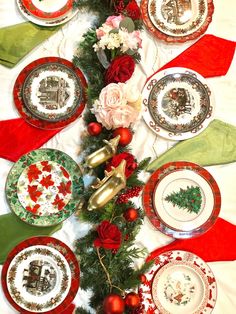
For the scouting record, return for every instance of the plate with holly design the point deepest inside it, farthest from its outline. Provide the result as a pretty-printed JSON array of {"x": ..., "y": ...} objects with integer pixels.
[
  {"x": 44, "y": 187},
  {"x": 40, "y": 275},
  {"x": 179, "y": 282},
  {"x": 182, "y": 199},
  {"x": 178, "y": 103}
]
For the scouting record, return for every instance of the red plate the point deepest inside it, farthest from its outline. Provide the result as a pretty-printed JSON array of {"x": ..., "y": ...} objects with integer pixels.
[
  {"x": 177, "y": 38},
  {"x": 158, "y": 210},
  {"x": 45, "y": 9},
  {"x": 29, "y": 115},
  {"x": 64, "y": 250}
]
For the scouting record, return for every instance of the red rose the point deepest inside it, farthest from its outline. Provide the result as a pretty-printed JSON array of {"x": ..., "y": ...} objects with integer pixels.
[
  {"x": 120, "y": 69},
  {"x": 131, "y": 165},
  {"x": 109, "y": 236},
  {"x": 133, "y": 10}
]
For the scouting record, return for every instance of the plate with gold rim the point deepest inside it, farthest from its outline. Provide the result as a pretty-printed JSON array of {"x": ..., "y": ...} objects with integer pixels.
[
  {"x": 177, "y": 20},
  {"x": 179, "y": 282},
  {"x": 40, "y": 275},
  {"x": 44, "y": 187},
  {"x": 178, "y": 103}
]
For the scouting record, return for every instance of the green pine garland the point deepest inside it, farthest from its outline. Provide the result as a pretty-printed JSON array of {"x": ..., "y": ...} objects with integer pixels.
[{"x": 105, "y": 271}]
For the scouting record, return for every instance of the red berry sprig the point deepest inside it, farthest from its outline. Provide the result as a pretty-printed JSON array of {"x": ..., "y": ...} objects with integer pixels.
[{"x": 129, "y": 193}]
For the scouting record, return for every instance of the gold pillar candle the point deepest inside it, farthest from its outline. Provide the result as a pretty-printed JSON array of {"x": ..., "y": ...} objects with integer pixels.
[
  {"x": 103, "y": 154},
  {"x": 113, "y": 182}
]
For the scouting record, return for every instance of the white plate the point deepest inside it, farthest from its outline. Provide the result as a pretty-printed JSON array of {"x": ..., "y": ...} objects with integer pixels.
[{"x": 178, "y": 103}]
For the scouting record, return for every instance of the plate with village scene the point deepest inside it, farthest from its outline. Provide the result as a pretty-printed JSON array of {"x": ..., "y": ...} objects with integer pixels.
[
  {"x": 179, "y": 282},
  {"x": 40, "y": 275},
  {"x": 177, "y": 20},
  {"x": 44, "y": 187},
  {"x": 182, "y": 199},
  {"x": 178, "y": 104},
  {"x": 49, "y": 93},
  {"x": 47, "y": 12}
]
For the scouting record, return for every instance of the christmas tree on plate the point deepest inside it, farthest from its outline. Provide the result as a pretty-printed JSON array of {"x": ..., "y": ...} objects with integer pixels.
[{"x": 189, "y": 198}]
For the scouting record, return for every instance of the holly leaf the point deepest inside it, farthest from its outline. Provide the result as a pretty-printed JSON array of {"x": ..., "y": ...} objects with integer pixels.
[{"x": 128, "y": 24}]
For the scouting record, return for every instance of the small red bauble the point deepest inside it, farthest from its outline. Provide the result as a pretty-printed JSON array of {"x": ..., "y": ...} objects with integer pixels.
[
  {"x": 132, "y": 300},
  {"x": 143, "y": 278},
  {"x": 94, "y": 128},
  {"x": 113, "y": 304},
  {"x": 131, "y": 214},
  {"x": 125, "y": 136}
]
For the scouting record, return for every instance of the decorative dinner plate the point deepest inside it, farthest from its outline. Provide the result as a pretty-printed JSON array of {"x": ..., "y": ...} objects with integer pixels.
[
  {"x": 182, "y": 199},
  {"x": 178, "y": 283},
  {"x": 44, "y": 187},
  {"x": 178, "y": 104},
  {"x": 47, "y": 9},
  {"x": 49, "y": 93},
  {"x": 40, "y": 275},
  {"x": 47, "y": 12},
  {"x": 177, "y": 20}
]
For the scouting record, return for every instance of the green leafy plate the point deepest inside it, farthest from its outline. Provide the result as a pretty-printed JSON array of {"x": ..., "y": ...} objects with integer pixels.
[{"x": 44, "y": 187}]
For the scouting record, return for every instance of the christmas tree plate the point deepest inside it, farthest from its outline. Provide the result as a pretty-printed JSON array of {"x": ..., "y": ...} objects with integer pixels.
[
  {"x": 47, "y": 13},
  {"x": 182, "y": 199},
  {"x": 49, "y": 93},
  {"x": 40, "y": 275},
  {"x": 178, "y": 104},
  {"x": 44, "y": 187},
  {"x": 177, "y": 20},
  {"x": 47, "y": 9},
  {"x": 179, "y": 282}
]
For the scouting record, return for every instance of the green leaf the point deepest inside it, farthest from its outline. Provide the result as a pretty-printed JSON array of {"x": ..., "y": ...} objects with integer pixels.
[
  {"x": 114, "y": 31},
  {"x": 128, "y": 24}
]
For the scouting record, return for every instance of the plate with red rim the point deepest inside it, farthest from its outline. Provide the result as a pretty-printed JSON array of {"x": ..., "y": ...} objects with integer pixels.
[
  {"x": 52, "y": 14},
  {"x": 40, "y": 275},
  {"x": 48, "y": 9},
  {"x": 182, "y": 199},
  {"x": 49, "y": 93},
  {"x": 179, "y": 282},
  {"x": 178, "y": 20}
]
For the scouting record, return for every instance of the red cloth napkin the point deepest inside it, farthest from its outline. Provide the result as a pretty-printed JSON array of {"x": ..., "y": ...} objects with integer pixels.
[
  {"x": 69, "y": 310},
  {"x": 17, "y": 138},
  {"x": 217, "y": 244},
  {"x": 210, "y": 56}
]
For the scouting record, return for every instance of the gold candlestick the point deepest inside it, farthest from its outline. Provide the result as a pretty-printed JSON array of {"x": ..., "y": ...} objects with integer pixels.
[
  {"x": 113, "y": 182},
  {"x": 103, "y": 154}
]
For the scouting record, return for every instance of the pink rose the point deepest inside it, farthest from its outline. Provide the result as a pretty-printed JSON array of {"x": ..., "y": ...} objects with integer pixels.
[
  {"x": 114, "y": 20},
  {"x": 112, "y": 109}
]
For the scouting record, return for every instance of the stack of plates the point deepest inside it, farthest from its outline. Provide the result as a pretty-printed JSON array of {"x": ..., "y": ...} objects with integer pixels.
[
  {"x": 47, "y": 12},
  {"x": 177, "y": 20},
  {"x": 49, "y": 93},
  {"x": 40, "y": 275}
]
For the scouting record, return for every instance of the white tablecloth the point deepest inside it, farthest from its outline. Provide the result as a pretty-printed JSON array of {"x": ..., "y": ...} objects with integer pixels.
[{"x": 145, "y": 143}]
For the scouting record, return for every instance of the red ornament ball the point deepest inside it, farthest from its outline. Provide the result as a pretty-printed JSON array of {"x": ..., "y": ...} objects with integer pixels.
[
  {"x": 143, "y": 279},
  {"x": 113, "y": 304},
  {"x": 132, "y": 300},
  {"x": 94, "y": 128},
  {"x": 125, "y": 135},
  {"x": 131, "y": 214}
]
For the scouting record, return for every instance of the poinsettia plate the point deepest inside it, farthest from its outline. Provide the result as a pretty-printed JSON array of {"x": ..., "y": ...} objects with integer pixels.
[
  {"x": 178, "y": 104},
  {"x": 44, "y": 187},
  {"x": 40, "y": 275},
  {"x": 179, "y": 282},
  {"x": 49, "y": 93},
  {"x": 182, "y": 199},
  {"x": 177, "y": 20},
  {"x": 47, "y": 12}
]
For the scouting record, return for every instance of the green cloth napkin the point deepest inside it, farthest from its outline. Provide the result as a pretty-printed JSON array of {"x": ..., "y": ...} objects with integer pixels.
[
  {"x": 13, "y": 231},
  {"x": 18, "y": 40},
  {"x": 215, "y": 145}
]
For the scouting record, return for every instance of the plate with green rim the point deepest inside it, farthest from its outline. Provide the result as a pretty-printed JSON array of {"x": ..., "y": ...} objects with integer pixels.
[{"x": 44, "y": 187}]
